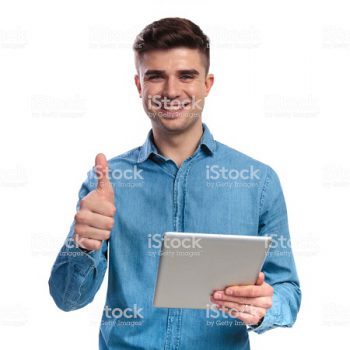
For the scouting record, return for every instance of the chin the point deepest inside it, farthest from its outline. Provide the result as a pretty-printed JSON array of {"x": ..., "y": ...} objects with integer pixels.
[{"x": 180, "y": 123}]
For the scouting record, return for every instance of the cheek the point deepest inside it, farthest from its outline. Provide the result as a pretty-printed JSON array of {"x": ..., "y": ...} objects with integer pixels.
[
  {"x": 150, "y": 98},
  {"x": 198, "y": 101},
  {"x": 198, "y": 93},
  {"x": 151, "y": 90}
]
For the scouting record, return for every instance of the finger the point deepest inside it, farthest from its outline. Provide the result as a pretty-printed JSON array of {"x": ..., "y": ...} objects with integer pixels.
[
  {"x": 248, "y": 319},
  {"x": 87, "y": 243},
  {"x": 86, "y": 231},
  {"x": 260, "y": 279},
  {"x": 98, "y": 205},
  {"x": 239, "y": 308},
  {"x": 250, "y": 291},
  {"x": 264, "y": 302},
  {"x": 89, "y": 218},
  {"x": 104, "y": 186}
]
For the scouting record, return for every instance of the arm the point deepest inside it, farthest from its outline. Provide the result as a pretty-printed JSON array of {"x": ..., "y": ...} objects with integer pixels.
[
  {"x": 80, "y": 266},
  {"x": 279, "y": 268},
  {"x": 77, "y": 275},
  {"x": 273, "y": 301}
]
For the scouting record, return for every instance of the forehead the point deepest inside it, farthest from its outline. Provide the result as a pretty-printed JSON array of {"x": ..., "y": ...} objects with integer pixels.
[{"x": 172, "y": 59}]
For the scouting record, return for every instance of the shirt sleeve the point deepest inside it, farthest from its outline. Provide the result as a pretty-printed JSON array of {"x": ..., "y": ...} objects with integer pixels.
[
  {"x": 279, "y": 267},
  {"x": 77, "y": 275}
]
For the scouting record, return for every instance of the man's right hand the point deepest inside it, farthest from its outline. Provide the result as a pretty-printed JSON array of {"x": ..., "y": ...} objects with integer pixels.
[{"x": 95, "y": 218}]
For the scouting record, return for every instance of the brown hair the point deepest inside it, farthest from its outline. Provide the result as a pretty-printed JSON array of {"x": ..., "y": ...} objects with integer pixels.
[{"x": 170, "y": 33}]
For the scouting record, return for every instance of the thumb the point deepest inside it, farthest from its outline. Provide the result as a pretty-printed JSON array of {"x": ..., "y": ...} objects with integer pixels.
[
  {"x": 101, "y": 169},
  {"x": 260, "y": 279}
]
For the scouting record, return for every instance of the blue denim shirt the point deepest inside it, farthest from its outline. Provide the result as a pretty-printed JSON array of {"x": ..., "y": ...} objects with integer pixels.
[{"x": 216, "y": 190}]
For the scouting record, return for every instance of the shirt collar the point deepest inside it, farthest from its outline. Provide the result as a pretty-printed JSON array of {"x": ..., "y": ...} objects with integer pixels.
[{"x": 207, "y": 141}]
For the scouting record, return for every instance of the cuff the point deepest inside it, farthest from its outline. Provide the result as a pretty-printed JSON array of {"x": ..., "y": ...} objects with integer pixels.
[{"x": 83, "y": 258}]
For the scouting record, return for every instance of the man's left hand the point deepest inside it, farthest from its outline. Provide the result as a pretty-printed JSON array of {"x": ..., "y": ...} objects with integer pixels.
[{"x": 247, "y": 303}]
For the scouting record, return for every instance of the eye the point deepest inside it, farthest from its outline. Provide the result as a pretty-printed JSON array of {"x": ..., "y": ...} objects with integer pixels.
[
  {"x": 154, "y": 77},
  {"x": 186, "y": 77}
]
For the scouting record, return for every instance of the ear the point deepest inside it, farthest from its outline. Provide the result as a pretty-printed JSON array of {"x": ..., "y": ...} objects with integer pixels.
[
  {"x": 209, "y": 81},
  {"x": 138, "y": 84}
]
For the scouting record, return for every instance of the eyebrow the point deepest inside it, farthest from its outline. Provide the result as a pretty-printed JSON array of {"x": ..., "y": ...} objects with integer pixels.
[{"x": 181, "y": 71}]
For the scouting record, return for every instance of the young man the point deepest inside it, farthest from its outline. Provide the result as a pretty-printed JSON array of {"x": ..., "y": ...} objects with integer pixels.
[{"x": 182, "y": 180}]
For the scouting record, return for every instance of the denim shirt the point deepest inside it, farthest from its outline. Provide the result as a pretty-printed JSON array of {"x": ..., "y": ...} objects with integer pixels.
[{"x": 216, "y": 190}]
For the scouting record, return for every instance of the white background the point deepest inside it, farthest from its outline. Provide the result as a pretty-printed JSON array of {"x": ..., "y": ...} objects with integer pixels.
[{"x": 281, "y": 95}]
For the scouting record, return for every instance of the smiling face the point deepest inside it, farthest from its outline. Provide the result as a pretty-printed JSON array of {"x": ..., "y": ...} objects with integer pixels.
[{"x": 173, "y": 85}]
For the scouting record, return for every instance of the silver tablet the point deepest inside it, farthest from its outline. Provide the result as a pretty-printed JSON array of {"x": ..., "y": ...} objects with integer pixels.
[{"x": 193, "y": 265}]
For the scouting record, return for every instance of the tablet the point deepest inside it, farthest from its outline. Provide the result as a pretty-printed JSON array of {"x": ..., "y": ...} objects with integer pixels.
[{"x": 193, "y": 265}]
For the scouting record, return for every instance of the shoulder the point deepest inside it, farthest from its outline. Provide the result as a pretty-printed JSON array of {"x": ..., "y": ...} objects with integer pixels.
[
  {"x": 239, "y": 159},
  {"x": 263, "y": 173},
  {"x": 129, "y": 157}
]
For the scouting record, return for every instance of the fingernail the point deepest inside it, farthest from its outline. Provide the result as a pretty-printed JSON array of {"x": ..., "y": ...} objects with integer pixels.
[{"x": 218, "y": 295}]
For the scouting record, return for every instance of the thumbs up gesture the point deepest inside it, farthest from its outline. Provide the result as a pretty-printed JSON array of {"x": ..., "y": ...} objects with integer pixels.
[{"x": 95, "y": 218}]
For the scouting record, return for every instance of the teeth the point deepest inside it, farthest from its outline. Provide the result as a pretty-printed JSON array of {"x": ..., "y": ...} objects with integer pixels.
[{"x": 170, "y": 108}]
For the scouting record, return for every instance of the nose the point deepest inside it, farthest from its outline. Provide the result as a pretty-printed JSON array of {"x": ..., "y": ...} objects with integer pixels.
[{"x": 172, "y": 88}]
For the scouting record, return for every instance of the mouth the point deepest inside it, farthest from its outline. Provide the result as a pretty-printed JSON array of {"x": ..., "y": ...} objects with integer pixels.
[
  {"x": 174, "y": 108},
  {"x": 171, "y": 113}
]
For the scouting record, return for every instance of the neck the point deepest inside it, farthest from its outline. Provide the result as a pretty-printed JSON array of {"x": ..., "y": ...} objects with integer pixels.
[{"x": 178, "y": 146}]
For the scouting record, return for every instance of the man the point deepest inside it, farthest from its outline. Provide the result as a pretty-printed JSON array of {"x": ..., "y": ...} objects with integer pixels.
[{"x": 182, "y": 180}]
